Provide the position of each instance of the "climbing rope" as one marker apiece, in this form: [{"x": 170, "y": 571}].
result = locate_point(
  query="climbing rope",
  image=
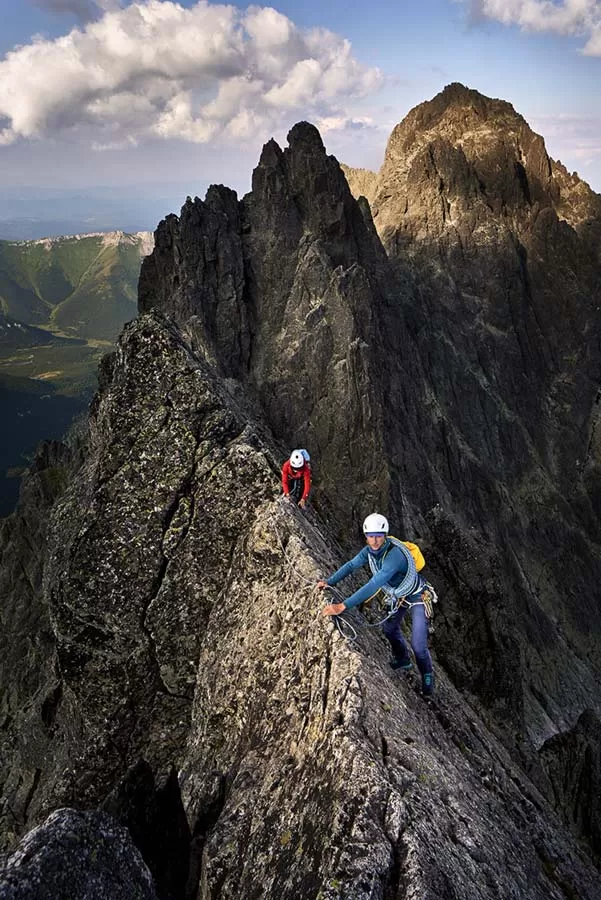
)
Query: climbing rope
[
  {"x": 345, "y": 628},
  {"x": 339, "y": 621},
  {"x": 289, "y": 561},
  {"x": 397, "y": 603}
]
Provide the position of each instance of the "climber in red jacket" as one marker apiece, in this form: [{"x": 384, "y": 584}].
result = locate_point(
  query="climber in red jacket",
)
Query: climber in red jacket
[{"x": 296, "y": 477}]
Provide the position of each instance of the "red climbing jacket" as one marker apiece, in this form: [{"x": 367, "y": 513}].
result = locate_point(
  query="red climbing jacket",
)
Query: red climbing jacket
[{"x": 290, "y": 474}]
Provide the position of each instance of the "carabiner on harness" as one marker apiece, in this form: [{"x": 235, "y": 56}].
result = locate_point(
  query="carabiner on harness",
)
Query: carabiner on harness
[{"x": 429, "y": 598}]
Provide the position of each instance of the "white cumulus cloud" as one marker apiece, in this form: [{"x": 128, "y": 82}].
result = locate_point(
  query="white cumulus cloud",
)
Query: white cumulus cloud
[
  {"x": 156, "y": 69},
  {"x": 346, "y": 124},
  {"x": 576, "y": 18}
]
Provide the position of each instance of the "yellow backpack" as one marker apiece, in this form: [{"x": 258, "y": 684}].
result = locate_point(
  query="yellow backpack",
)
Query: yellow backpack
[{"x": 415, "y": 552}]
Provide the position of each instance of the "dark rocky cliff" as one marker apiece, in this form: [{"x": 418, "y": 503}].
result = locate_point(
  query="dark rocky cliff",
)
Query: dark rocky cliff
[
  {"x": 187, "y": 684},
  {"x": 502, "y": 248}
]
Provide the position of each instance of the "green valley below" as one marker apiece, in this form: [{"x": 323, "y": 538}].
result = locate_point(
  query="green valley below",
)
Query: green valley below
[{"x": 63, "y": 302}]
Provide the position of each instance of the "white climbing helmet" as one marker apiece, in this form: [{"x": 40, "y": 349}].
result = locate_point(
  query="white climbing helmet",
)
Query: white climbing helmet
[
  {"x": 297, "y": 460},
  {"x": 375, "y": 524}
]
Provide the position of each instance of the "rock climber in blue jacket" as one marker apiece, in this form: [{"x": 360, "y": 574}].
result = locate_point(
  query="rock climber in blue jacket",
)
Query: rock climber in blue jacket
[{"x": 393, "y": 571}]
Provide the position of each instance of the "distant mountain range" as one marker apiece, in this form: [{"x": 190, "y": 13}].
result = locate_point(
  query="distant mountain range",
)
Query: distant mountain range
[
  {"x": 30, "y": 228},
  {"x": 63, "y": 301}
]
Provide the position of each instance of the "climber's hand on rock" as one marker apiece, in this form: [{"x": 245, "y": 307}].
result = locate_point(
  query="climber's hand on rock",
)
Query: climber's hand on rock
[{"x": 334, "y": 609}]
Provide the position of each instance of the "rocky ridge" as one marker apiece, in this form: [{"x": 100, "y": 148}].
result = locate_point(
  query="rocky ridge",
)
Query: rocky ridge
[
  {"x": 188, "y": 677},
  {"x": 103, "y": 862}
]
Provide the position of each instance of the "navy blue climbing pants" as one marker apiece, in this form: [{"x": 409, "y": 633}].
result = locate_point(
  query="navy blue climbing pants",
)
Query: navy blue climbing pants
[
  {"x": 296, "y": 486},
  {"x": 419, "y": 636}
]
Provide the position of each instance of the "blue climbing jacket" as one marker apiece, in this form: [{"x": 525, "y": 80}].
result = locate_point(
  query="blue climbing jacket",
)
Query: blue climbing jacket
[{"x": 395, "y": 572}]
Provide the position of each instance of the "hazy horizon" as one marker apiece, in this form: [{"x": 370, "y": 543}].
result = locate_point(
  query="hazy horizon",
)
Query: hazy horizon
[{"x": 33, "y": 213}]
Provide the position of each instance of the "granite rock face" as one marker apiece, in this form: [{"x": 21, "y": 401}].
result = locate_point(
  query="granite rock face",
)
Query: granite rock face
[
  {"x": 30, "y": 687},
  {"x": 76, "y": 856},
  {"x": 127, "y": 581},
  {"x": 190, "y": 687},
  {"x": 195, "y": 275},
  {"x": 572, "y": 763}
]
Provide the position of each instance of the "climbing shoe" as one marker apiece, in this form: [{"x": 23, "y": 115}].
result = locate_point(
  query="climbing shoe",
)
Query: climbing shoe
[
  {"x": 428, "y": 684},
  {"x": 405, "y": 665}
]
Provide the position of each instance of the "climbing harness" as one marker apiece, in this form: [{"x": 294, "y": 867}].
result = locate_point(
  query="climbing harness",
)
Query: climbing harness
[{"x": 412, "y": 584}]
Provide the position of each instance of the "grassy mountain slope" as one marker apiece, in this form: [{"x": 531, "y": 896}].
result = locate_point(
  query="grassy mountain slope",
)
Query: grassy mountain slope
[
  {"x": 84, "y": 286},
  {"x": 105, "y": 296},
  {"x": 63, "y": 301}
]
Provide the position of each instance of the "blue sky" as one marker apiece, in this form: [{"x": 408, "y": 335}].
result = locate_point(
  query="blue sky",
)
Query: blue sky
[{"x": 152, "y": 100}]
